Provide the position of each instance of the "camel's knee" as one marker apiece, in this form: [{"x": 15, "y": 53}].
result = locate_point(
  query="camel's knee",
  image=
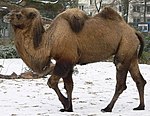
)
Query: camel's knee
[
  {"x": 135, "y": 73},
  {"x": 121, "y": 82},
  {"x": 140, "y": 81},
  {"x": 121, "y": 88},
  {"x": 53, "y": 81}
]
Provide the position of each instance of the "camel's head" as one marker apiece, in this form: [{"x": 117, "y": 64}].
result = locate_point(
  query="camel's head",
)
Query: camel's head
[
  {"x": 29, "y": 18},
  {"x": 22, "y": 18}
]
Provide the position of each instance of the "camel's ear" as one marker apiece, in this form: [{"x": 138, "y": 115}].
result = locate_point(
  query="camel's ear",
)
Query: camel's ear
[
  {"x": 62, "y": 68},
  {"x": 38, "y": 31},
  {"x": 31, "y": 15}
]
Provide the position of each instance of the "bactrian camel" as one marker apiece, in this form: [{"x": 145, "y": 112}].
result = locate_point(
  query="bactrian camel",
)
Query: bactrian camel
[{"x": 75, "y": 38}]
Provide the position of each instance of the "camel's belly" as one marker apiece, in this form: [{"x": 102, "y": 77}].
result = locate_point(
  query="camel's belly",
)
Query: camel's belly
[{"x": 91, "y": 58}]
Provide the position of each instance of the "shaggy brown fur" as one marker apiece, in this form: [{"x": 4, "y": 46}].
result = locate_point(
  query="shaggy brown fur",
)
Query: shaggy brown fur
[{"x": 75, "y": 38}]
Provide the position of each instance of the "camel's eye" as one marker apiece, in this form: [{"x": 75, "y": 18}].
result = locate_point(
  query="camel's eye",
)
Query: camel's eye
[{"x": 18, "y": 16}]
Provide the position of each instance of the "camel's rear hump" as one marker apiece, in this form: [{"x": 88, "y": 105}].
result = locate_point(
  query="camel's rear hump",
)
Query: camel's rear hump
[{"x": 109, "y": 13}]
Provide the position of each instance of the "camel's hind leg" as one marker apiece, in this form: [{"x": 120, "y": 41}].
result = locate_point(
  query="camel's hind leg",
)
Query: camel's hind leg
[
  {"x": 139, "y": 80},
  {"x": 122, "y": 70}
]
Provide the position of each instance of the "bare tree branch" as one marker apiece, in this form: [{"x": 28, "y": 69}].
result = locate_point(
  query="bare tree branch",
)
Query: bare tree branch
[{"x": 96, "y": 5}]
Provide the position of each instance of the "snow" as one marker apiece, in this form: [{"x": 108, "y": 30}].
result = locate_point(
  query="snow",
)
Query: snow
[{"x": 94, "y": 86}]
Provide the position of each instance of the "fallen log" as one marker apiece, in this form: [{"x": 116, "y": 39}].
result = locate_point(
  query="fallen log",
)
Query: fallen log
[{"x": 26, "y": 75}]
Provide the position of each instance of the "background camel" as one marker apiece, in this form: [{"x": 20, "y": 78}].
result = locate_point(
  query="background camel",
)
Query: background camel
[{"x": 75, "y": 38}]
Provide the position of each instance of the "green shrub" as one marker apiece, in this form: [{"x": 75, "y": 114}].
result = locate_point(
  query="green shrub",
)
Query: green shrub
[
  {"x": 146, "y": 53},
  {"x": 145, "y": 59},
  {"x": 8, "y": 51}
]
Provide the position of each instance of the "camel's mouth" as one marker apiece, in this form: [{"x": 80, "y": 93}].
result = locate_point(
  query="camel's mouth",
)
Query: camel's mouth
[
  {"x": 12, "y": 17},
  {"x": 6, "y": 19}
]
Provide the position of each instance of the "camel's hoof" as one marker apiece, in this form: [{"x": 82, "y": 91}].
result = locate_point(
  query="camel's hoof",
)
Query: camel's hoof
[
  {"x": 140, "y": 108},
  {"x": 63, "y": 110},
  {"x": 106, "y": 110}
]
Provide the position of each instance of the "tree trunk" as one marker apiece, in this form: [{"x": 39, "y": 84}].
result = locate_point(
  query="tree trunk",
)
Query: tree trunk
[
  {"x": 125, "y": 4},
  {"x": 145, "y": 4}
]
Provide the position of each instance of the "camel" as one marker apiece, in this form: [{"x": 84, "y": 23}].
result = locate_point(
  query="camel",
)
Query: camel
[{"x": 75, "y": 38}]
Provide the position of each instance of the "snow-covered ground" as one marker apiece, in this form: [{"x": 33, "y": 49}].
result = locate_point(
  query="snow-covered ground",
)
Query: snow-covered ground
[{"x": 94, "y": 86}]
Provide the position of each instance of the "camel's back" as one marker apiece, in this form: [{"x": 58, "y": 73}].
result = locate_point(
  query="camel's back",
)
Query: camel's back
[{"x": 91, "y": 38}]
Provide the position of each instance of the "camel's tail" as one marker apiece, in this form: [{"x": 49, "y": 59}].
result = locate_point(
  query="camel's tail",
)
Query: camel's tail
[{"x": 141, "y": 39}]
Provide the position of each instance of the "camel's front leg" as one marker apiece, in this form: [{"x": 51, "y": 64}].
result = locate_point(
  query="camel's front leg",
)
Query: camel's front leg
[
  {"x": 53, "y": 83},
  {"x": 68, "y": 85}
]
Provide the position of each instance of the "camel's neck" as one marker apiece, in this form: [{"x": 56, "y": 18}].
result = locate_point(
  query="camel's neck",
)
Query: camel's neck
[{"x": 35, "y": 58}]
